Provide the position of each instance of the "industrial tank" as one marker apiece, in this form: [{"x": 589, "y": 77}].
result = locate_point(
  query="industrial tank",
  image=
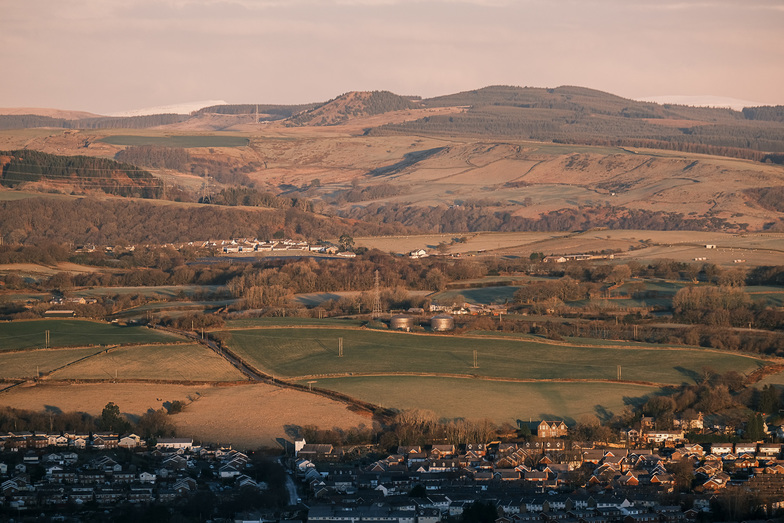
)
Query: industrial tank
[
  {"x": 401, "y": 322},
  {"x": 442, "y": 322}
]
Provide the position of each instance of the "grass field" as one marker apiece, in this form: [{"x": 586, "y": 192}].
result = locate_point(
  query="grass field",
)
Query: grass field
[
  {"x": 170, "y": 308},
  {"x": 755, "y": 248},
  {"x": 305, "y": 351},
  {"x": 161, "y": 291},
  {"x": 31, "y": 364},
  {"x": 291, "y": 322},
  {"x": 773, "y": 296},
  {"x": 474, "y": 241},
  {"x": 74, "y": 333},
  {"x": 8, "y": 195},
  {"x": 499, "y": 401},
  {"x": 178, "y": 141},
  {"x": 485, "y": 295},
  {"x": 185, "y": 362}
]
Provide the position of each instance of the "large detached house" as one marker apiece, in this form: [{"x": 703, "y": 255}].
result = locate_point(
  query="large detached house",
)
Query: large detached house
[{"x": 551, "y": 429}]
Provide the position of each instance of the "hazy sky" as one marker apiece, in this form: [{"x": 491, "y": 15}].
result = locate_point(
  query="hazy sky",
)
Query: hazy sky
[{"x": 107, "y": 56}]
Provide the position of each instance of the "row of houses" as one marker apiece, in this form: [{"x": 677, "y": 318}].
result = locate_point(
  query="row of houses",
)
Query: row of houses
[
  {"x": 255, "y": 245},
  {"x": 585, "y": 509},
  {"x": 73, "y": 477},
  {"x": 15, "y": 441},
  {"x": 563, "y": 258},
  {"x": 21, "y": 440}
]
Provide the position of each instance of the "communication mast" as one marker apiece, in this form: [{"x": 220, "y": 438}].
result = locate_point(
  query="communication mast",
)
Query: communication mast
[{"x": 376, "y": 299}]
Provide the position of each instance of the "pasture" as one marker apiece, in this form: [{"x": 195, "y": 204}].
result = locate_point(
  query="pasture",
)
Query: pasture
[
  {"x": 74, "y": 333},
  {"x": 502, "y": 402},
  {"x": 33, "y": 363},
  {"x": 484, "y": 295},
  {"x": 171, "y": 308},
  {"x": 304, "y": 352},
  {"x": 251, "y": 323},
  {"x": 186, "y": 141},
  {"x": 649, "y": 246},
  {"x": 182, "y": 362},
  {"x": 150, "y": 291},
  {"x": 474, "y": 241}
]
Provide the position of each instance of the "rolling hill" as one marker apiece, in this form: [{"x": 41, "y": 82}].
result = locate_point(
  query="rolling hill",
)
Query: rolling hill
[
  {"x": 352, "y": 105},
  {"x": 497, "y": 158}
]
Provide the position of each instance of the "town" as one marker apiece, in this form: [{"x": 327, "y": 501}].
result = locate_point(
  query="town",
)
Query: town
[{"x": 657, "y": 476}]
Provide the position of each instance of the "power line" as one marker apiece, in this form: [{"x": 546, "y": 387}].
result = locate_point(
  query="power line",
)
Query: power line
[
  {"x": 133, "y": 168},
  {"x": 75, "y": 175}
]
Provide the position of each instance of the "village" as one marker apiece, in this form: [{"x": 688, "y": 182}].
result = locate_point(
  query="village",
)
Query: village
[{"x": 652, "y": 476}]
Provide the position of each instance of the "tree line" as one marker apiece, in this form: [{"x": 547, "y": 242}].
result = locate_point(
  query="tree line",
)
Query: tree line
[
  {"x": 176, "y": 158},
  {"x": 266, "y": 112},
  {"x": 126, "y": 222},
  {"x": 150, "y": 425},
  {"x": 475, "y": 216},
  {"x": 27, "y": 121},
  {"x": 111, "y": 177}
]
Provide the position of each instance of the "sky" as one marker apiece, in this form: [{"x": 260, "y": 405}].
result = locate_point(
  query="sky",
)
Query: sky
[{"x": 110, "y": 56}]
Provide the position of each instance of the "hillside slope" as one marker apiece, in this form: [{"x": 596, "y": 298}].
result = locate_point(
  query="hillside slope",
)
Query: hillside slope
[
  {"x": 585, "y": 116},
  {"x": 352, "y": 105}
]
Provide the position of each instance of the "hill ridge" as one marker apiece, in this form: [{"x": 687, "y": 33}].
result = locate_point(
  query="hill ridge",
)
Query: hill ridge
[{"x": 351, "y": 105}]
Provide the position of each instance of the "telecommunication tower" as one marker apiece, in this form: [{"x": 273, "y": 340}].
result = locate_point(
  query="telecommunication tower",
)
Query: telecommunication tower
[{"x": 376, "y": 299}]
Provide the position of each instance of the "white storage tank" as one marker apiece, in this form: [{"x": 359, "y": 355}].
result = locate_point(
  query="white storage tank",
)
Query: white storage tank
[
  {"x": 401, "y": 322},
  {"x": 442, "y": 322}
]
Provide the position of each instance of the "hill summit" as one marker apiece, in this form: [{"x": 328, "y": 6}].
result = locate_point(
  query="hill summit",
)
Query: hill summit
[{"x": 352, "y": 105}]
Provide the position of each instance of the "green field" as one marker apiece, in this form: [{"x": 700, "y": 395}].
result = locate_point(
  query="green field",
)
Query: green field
[
  {"x": 311, "y": 355},
  {"x": 33, "y": 363},
  {"x": 178, "y": 141},
  {"x": 171, "y": 308},
  {"x": 772, "y": 296},
  {"x": 307, "y": 351},
  {"x": 499, "y": 401},
  {"x": 7, "y": 195},
  {"x": 291, "y": 322},
  {"x": 74, "y": 333},
  {"x": 184, "y": 362},
  {"x": 483, "y": 295},
  {"x": 160, "y": 291}
]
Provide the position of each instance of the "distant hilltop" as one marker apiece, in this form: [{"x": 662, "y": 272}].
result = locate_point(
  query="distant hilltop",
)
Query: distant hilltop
[{"x": 181, "y": 108}]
